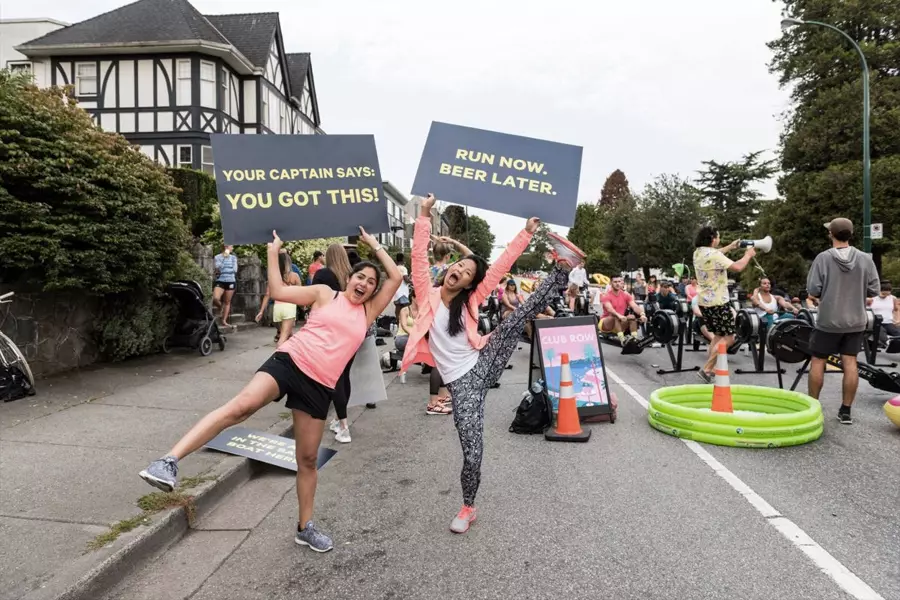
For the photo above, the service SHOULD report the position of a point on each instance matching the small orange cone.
(721, 400)
(568, 427)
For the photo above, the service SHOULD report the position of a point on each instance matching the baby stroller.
(195, 326)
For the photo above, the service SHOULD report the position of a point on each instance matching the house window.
(183, 91)
(226, 92)
(16, 67)
(185, 157)
(281, 119)
(264, 110)
(86, 79)
(207, 84)
(206, 159)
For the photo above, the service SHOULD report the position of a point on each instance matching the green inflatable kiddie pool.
(763, 417)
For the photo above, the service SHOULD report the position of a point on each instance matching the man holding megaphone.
(711, 267)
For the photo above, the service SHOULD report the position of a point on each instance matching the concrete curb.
(96, 573)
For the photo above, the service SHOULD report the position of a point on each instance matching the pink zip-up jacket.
(429, 296)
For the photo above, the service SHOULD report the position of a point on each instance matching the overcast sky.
(647, 86)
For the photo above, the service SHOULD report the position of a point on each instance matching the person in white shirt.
(888, 306)
(578, 276)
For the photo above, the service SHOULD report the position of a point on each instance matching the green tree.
(617, 243)
(481, 239)
(589, 234)
(615, 189)
(660, 231)
(729, 199)
(533, 259)
(821, 147)
(456, 220)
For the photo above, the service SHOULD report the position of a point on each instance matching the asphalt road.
(631, 514)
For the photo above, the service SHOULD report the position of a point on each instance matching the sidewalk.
(69, 458)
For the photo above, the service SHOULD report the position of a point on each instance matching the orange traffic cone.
(721, 400)
(568, 427)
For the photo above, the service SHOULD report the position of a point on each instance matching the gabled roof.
(298, 65)
(298, 69)
(250, 33)
(141, 21)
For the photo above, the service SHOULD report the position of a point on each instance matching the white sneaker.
(343, 436)
(334, 426)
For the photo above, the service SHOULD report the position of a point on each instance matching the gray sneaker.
(312, 537)
(162, 473)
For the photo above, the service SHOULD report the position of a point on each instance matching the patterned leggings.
(469, 391)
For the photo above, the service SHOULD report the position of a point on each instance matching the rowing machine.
(788, 342)
(752, 330)
(667, 326)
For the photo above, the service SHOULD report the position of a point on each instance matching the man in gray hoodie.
(839, 281)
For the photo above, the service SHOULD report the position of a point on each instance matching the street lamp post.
(867, 163)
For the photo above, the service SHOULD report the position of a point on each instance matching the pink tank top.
(328, 340)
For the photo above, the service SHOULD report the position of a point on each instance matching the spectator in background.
(639, 287)
(666, 297)
(578, 276)
(317, 263)
(226, 267)
(652, 286)
(690, 290)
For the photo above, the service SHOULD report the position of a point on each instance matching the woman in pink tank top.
(305, 369)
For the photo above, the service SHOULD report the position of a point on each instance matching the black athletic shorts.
(225, 285)
(303, 392)
(719, 319)
(825, 343)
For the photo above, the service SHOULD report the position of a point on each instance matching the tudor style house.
(165, 77)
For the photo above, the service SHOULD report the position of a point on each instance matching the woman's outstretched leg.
(262, 389)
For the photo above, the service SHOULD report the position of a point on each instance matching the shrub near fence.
(84, 213)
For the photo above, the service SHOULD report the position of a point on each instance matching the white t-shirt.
(885, 308)
(403, 290)
(578, 276)
(454, 356)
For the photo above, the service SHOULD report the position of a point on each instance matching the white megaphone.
(763, 245)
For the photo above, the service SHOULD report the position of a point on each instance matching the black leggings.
(342, 391)
(435, 383)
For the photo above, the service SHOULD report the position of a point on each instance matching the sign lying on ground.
(577, 337)
(510, 174)
(264, 447)
(303, 186)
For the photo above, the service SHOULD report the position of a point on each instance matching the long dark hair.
(457, 325)
(284, 265)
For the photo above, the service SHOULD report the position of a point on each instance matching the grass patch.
(115, 531)
(150, 504)
(284, 415)
(160, 501)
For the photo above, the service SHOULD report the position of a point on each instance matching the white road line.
(828, 564)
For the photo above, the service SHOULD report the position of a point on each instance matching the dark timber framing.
(191, 122)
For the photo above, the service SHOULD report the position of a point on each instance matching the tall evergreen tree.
(728, 197)
(615, 189)
(821, 150)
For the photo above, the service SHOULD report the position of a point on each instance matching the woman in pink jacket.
(446, 334)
